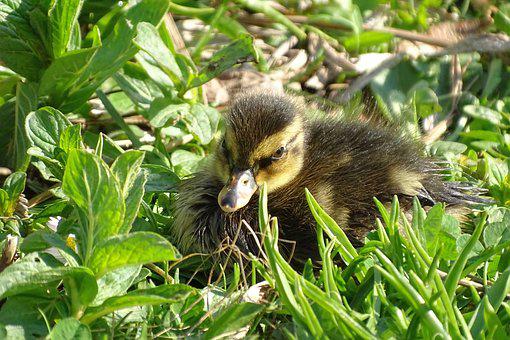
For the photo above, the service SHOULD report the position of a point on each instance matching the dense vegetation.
(104, 107)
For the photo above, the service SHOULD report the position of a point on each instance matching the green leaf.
(64, 72)
(116, 50)
(126, 250)
(234, 53)
(202, 122)
(23, 313)
(70, 138)
(493, 77)
(151, 296)
(157, 53)
(236, 317)
(40, 269)
(15, 184)
(441, 148)
(42, 240)
(497, 232)
(44, 127)
(21, 50)
(63, 15)
(483, 113)
(132, 181)
(93, 188)
(502, 20)
(441, 233)
(160, 179)
(26, 102)
(70, 328)
(7, 117)
(164, 109)
(115, 283)
(137, 85)
(185, 162)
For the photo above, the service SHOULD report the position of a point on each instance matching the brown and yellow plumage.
(271, 138)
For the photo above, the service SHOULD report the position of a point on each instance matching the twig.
(273, 14)
(132, 120)
(160, 272)
(336, 58)
(467, 283)
(43, 196)
(180, 46)
(282, 50)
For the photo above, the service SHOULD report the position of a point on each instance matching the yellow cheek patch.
(409, 183)
(270, 144)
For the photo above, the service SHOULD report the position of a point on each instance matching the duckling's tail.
(455, 193)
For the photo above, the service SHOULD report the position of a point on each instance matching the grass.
(103, 112)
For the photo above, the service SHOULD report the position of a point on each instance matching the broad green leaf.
(425, 102)
(115, 283)
(148, 40)
(151, 296)
(116, 50)
(234, 53)
(93, 188)
(24, 312)
(164, 109)
(462, 241)
(236, 317)
(37, 270)
(5, 204)
(160, 179)
(9, 195)
(137, 85)
(7, 117)
(42, 240)
(441, 148)
(202, 122)
(499, 290)
(497, 232)
(390, 88)
(51, 168)
(484, 113)
(70, 328)
(70, 138)
(63, 14)
(185, 162)
(493, 77)
(26, 102)
(15, 184)
(132, 249)
(21, 50)
(44, 127)
(126, 168)
(502, 20)
(64, 72)
(132, 181)
(441, 232)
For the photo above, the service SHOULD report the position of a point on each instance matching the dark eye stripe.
(265, 162)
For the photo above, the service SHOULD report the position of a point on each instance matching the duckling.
(271, 138)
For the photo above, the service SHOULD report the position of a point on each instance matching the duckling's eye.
(278, 153)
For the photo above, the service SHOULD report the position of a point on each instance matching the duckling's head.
(263, 142)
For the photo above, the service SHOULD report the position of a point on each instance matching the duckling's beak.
(237, 193)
